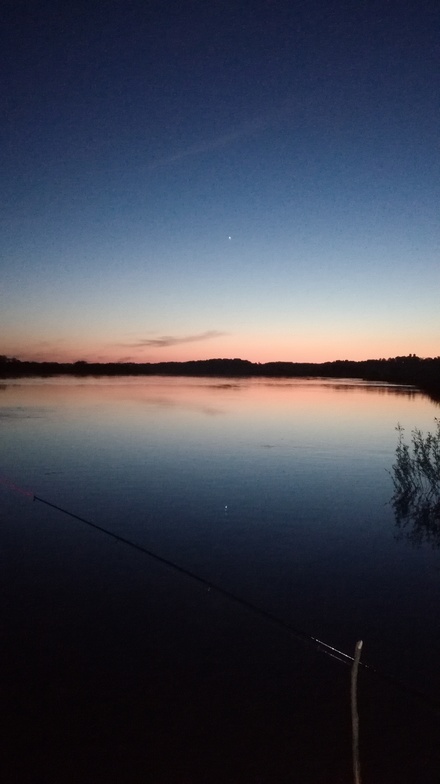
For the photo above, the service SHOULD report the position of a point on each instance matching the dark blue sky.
(183, 180)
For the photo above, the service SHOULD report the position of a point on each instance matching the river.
(276, 491)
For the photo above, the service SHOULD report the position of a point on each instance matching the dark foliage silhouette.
(416, 479)
(409, 370)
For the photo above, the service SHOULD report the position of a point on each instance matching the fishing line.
(320, 645)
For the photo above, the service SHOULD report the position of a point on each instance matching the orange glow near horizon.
(314, 346)
(355, 353)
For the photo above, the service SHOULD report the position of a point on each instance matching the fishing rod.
(325, 647)
(320, 645)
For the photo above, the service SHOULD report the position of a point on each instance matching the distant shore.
(407, 370)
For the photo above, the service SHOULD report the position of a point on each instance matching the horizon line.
(6, 360)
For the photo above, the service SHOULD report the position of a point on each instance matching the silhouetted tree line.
(424, 373)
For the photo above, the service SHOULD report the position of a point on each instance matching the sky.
(192, 179)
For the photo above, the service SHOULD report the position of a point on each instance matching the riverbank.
(408, 370)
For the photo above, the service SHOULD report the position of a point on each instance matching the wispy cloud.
(171, 340)
(244, 129)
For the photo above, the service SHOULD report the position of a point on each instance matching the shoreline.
(423, 374)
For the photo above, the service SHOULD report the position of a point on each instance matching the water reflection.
(416, 479)
(275, 489)
(417, 519)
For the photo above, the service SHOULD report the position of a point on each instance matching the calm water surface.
(277, 490)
